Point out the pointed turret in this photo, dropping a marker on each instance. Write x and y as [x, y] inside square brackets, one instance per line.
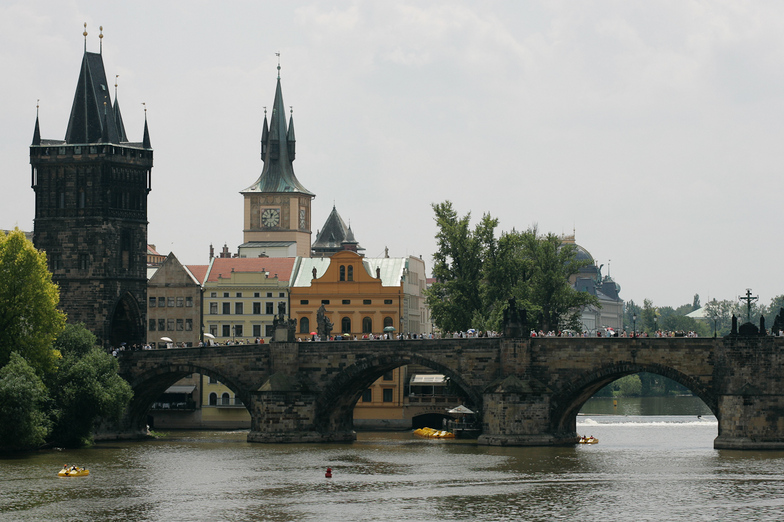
[277, 153]
[36, 132]
[264, 136]
[146, 139]
[290, 140]
[118, 121]
[334, 236]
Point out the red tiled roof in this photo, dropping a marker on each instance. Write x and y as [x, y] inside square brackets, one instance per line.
[151, 251]
[198, 271]
[282, 266]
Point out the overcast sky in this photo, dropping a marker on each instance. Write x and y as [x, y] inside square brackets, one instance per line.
[652, 129]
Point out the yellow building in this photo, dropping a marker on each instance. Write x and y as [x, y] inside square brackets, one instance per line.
[242, 296]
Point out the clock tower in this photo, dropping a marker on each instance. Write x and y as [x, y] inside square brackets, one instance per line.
[277, 206]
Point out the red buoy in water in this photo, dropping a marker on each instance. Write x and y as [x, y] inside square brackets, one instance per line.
[328, 474]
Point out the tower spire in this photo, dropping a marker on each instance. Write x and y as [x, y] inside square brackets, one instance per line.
[85, 36]
[146, 140]
[37, 131]
[100, 40]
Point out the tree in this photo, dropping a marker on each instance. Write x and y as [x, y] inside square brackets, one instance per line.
[24, 423]
[29, 319]
[720, 314]
[476, 274]
[85, 388]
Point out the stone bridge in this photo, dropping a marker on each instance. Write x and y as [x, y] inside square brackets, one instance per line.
[528, 391]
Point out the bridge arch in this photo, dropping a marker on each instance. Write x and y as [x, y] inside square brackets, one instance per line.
[149, 385]
[566, 403]
[336, 403]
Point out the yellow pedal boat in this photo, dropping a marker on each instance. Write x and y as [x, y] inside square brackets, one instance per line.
[589, 440]
[73, 471]
[430, 433]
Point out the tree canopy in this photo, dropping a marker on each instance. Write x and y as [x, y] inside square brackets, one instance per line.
[29, 318]
[476, 274]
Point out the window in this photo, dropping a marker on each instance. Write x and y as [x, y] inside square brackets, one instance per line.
[388, 376]
[238, 308]
[238, 330]
[55, 261]
[152, 302]
[213, 294]
[152, 325]
[256, 294]
[170, 325]
[257, 308]
[239, 294]
[189, 302]
[214, 329]
[189, 325]
[346, 301]
[161, 302]
[161, 325]
[304, 325]
[282, 294]
[213, 399]
[256, 330]
[367, 395]
[350, 275]
[179, 325]
[387, 321]
[269, 294]
[345, 325]
[84, 261]
[170, 302]
[226, 308]
[367, 301]
[387, 394]
[226, 331]
[180, 302]
[325, 301]
[225, 399]
[342, 273]
[213, 308]
[387, 301]
[303, 301]
[367, 325]
[225, 294]
[269, 307]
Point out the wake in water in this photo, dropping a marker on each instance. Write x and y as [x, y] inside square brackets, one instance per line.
[646, 421]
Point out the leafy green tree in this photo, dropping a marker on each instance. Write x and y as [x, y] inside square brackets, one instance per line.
[86, 387]
[476, 273]
[629, 386]
[24, 423]
[29, 318]
[648, 317]
[720, 315]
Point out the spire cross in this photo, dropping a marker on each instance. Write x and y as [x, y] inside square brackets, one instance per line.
[85, 36]
[37, 104]
[115, 85]
[749, 299]
[100, 39]
[278, 55]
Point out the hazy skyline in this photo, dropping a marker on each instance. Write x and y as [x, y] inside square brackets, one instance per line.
[652, 130]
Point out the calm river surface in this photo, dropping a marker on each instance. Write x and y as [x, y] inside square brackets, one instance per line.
[644, 468]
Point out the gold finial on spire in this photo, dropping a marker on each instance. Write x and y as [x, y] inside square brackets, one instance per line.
[291, 109]
[100, 39]
[37, 104]
[265, 110]
[115, 85]
[278, 55]
[85, 36]
[145, 111]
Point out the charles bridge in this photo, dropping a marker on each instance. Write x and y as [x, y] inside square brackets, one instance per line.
[528, 390]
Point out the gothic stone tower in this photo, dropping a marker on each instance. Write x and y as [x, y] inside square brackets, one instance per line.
[277, 206]
[91, 211]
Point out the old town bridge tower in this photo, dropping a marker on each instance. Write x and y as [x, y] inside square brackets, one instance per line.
[91, 211]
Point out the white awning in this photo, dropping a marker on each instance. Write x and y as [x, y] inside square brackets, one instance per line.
[428, 379]
[181, 388]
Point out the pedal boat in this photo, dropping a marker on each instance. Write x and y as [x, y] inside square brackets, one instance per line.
[589, 440]
[71, 472]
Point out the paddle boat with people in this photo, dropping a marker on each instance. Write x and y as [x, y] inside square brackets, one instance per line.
[589, 440]
[73, 471]
[430, 433]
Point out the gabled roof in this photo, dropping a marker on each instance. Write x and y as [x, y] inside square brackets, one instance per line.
[198, 271]
[93, 117]
[224, 266]
[278, 148]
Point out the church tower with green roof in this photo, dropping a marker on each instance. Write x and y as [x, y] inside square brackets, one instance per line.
[277, 214]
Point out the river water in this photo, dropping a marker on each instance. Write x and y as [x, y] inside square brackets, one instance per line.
[645, 467]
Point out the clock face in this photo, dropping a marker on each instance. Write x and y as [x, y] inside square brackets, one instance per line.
[270, 217]
[302, 218]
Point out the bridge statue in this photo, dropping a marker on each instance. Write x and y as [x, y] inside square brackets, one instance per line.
[514, 322]
[323, 324]
[284, 330]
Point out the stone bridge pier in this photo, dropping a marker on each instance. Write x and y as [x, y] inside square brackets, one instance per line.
[527, 391]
